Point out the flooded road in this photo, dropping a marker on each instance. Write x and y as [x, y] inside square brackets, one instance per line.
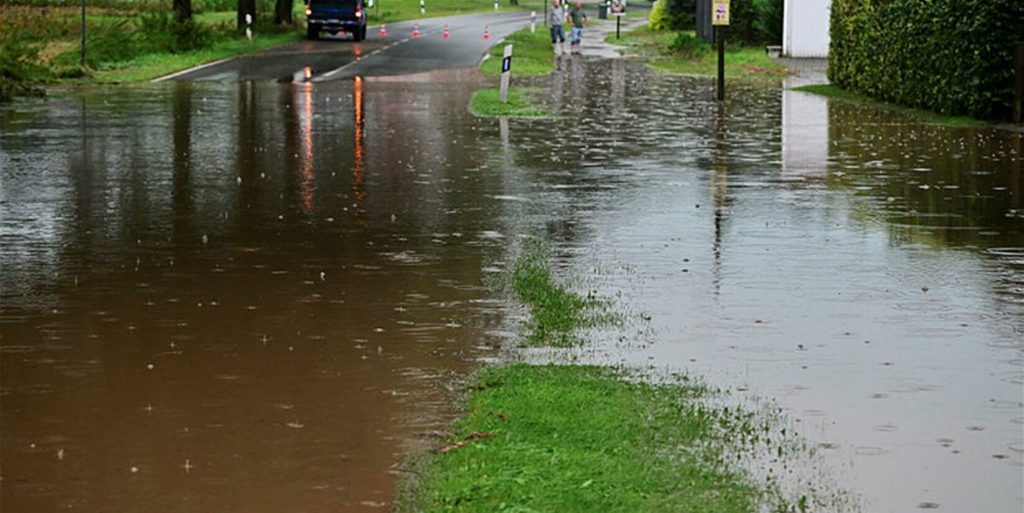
[255, 296]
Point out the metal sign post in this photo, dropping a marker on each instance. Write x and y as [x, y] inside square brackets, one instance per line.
[83, 34]
[720, 19]
[506, 68]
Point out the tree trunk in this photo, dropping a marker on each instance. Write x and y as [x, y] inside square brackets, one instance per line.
[183, 10]
[283, 12]
[245, 7]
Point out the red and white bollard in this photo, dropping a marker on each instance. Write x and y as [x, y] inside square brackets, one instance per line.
[416, 30]
[383, 32]
[445, 34]
[487, 33]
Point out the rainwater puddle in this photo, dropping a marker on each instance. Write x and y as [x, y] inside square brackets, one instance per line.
[326, 248]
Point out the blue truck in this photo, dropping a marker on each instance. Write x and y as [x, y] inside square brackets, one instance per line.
[335, 17]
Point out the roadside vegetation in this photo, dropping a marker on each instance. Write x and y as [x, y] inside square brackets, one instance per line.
[669, 41]
[686, 54]
[583, 438]
[487, 103]
[531, 54]
[928, 116]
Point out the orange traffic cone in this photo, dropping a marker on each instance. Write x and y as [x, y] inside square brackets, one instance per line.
[415, 30]
[383, 32]
[487, 33]
[445, 34]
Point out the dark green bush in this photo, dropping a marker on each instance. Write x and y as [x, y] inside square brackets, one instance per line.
[163, 33]
[688, 46]
[949, 56]
[769, 21]
[673, 15]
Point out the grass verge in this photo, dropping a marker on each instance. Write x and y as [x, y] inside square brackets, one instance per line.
[486, 102]
[391, 11]
[149, 66]
[838, 93]
[584, 439]
[683, 53]
[531, 54]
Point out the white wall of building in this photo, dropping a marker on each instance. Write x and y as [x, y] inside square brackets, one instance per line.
[805, 28]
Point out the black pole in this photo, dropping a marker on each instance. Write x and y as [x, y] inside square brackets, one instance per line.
[545, 13]
[618, 22]
[83, 34]
[720, 38]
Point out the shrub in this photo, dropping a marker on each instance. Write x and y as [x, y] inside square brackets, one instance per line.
[949, 56]
[163, 33]
[672, 15]
[688, 46]
[769, 21]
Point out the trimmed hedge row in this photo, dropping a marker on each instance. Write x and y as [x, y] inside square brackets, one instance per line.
[949, 56]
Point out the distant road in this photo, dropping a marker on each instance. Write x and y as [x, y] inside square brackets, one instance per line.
[398, 53]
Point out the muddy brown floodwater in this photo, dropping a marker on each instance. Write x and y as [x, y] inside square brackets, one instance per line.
[256, 297]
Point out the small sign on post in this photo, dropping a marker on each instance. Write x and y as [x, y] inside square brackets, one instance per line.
[720, 13]
[506, 68]
[719, 20]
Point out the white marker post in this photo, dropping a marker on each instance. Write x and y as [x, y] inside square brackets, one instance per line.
[506, 68]
[495, 5]
[533, 21]
[423, 7]
[248, 26]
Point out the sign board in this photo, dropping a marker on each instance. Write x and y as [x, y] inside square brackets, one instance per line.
[618, 7]
[720, 12]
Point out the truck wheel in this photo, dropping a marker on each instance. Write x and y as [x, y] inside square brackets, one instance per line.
[312, 33]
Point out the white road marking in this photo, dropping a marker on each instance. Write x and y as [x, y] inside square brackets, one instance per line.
[190, 70]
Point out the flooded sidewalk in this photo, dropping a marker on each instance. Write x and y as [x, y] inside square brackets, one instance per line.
[260, 296]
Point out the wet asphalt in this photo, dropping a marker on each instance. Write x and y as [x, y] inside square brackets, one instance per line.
[397, 52]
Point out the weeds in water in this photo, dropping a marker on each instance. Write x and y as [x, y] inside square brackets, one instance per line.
[556, 312]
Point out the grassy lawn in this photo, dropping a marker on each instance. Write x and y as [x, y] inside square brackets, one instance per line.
[931, 117]
[531, 54]
[486, 103]
[566, 439]
[655, 48]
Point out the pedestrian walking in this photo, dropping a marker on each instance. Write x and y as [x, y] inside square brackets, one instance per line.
[556, 17]
[579, 20]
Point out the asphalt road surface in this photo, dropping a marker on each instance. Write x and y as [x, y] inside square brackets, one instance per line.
[397, 53]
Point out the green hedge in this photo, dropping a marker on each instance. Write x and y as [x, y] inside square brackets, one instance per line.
[949, 56]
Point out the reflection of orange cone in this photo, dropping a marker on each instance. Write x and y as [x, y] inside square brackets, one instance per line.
[415, 30]
[383, 32]
[487, 33]
[445, 34]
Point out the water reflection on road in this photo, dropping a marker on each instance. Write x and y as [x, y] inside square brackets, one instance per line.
[250, 296]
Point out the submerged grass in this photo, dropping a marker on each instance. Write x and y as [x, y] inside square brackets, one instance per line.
[684, 54]
[556, 313]
[583, 439]
[931, 117]
[487, 102]
[532, 54]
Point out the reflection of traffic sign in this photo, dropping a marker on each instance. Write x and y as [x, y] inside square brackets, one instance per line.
[720, 12]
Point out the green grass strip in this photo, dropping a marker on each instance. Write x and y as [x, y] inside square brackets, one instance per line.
[150, 66]
[581, 439]
[532, 54]
[838, 93]
[486, 102]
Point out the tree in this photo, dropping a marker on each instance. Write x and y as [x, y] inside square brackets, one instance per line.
[183, 10]
[283, 12]
[245, 7]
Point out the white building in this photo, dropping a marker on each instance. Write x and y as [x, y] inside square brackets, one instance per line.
[805, 28]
